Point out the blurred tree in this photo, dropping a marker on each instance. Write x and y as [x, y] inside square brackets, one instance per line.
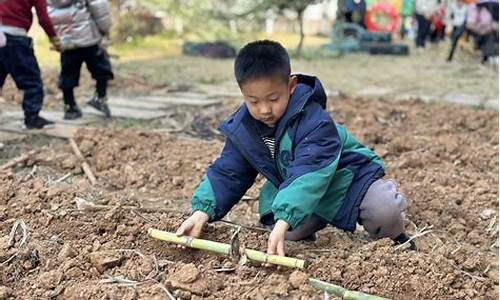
[208, 19]
[299, 6]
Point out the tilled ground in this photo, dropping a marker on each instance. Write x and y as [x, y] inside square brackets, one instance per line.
[444, 157]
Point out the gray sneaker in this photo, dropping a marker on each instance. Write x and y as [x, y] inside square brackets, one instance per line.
[101, 104]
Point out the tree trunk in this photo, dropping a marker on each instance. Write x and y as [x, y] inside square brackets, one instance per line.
[301, 28]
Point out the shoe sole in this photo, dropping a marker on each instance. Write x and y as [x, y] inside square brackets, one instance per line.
[48, 126]
[72, 118]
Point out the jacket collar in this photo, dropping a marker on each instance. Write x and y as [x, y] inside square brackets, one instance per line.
[308, 89]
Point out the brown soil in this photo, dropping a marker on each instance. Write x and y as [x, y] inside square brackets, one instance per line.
[123, 84]
[445, 158]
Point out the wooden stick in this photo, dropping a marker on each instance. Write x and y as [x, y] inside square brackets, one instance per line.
[342, 292]
[226, 249]
[85, 166]
[17, 160]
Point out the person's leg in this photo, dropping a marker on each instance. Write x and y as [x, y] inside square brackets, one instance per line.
[99, 65]
[101, 88]
[71, 64]
[69, 78]
[3, 70]
[307, 230]
[382, 210]
[455, 36]
[420, 30]
[402, 30]
[426, 28]
[20, 62]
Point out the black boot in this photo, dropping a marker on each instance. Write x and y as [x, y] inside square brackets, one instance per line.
[72, 112]
[100, 103]
[37, 122]
[403, 238]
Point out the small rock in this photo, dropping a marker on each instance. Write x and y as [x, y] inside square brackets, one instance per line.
[53, 191]
[73, 273]
[487, 214]
[69, 163]
[177, 180]
[121, 230]
[50, 279]
[298, 279]
[493, 272]
[2, 145]
[188, 278]
[66, 252]
[103, 260]
[4, 242]
[5, 292]
[96, 245]
[86, 146]
[187, 273]
[182, 294]
[474, 237]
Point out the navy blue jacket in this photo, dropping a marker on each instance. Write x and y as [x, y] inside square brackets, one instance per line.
[319, 168]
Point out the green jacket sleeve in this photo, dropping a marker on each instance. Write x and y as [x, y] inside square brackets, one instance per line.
[309, 171]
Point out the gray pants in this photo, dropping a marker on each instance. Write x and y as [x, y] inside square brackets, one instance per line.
[381, 213]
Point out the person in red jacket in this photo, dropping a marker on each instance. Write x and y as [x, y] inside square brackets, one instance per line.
[17, 57]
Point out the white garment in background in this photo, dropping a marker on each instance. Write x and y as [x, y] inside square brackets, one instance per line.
[458, 14]
[3, 40]
[426, 7]
[13, 30]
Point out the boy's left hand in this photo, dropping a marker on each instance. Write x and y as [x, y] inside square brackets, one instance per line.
[276, 242]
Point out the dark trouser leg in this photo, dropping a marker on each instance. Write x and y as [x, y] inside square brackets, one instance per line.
[69, 97]
[101, 87]
[71, 64]
[402, 30]
[455, 36]
[422, 31]
[99, 65]
[3, 71]
[20, 62]
[305, 230]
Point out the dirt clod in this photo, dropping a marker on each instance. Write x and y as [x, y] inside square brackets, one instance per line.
[103, 260]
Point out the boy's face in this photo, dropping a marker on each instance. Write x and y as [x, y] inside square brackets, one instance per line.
[267, 98]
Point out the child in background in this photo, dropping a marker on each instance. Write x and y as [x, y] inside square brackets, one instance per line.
[457, 15]
[17, 57]
[317, 172]
[82, 25]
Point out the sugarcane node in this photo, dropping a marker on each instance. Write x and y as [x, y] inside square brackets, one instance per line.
[235, 251]
[189, 241]
[304, 264]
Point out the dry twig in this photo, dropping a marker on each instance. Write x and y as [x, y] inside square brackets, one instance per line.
[12, 235]
[63, 178]
[13, 162]
[30, 174]
[418, 234]
[85, 166]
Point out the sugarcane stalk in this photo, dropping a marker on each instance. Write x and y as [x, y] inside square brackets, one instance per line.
[342, 292]
[226, 249]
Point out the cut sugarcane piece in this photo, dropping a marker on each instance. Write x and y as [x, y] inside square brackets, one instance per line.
[342, 292]
[226, 249]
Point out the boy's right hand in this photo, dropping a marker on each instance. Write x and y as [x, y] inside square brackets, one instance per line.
[193, 225]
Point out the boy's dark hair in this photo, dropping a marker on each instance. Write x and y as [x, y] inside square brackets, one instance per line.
[260, 59]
